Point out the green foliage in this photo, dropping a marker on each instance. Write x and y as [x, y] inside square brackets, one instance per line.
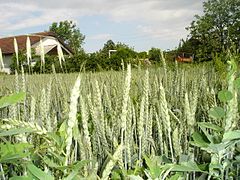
[16, 131]
[37, 173]
[12, 99]
[69, 33]
[154, 55]
[123, 55]
[50, 60]
[190, 46]
[14, 153]
[170, 55]
[225, 96]
[22, 59]
[97, 61]
[21, 178]
[74, 63]
[237, 83]
[231, 135]
[220, 139]
[217, 29]
[142, 55]
[109, 45]
[105, 60]
[220, 65]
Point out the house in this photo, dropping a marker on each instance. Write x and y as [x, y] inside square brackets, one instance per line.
[49, 42]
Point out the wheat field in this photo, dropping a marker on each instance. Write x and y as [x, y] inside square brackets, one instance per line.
[157, 123]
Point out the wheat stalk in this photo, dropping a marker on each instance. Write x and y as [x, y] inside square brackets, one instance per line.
[117, 156]
[146, 90]
[32, 110]
[72, 118]
[176, 142]
[98, 116]
[141, 127]
[84, 116]
[232, 115]
[125, 101]
[166, 117]
[16, 123]
[29, 54]
[60, 54]
[16, 50]
[42, 53]
[1, 60]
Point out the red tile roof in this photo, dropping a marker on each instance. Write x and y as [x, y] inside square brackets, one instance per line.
[7, 44]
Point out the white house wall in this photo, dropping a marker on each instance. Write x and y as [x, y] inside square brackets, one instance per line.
[48, 43]
[51, 41]
[7, 61]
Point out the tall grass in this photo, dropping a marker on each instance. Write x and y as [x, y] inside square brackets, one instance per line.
[110, 125]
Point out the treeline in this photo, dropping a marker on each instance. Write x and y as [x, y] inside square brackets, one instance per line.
[215, 33]
[113, 56]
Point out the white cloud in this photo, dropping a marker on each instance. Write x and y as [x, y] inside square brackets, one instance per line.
[163, 32]
[141, 10]
[156, 18]
[17, 16]
[100, 37]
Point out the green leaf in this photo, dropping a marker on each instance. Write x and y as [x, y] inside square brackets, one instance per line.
[12, 99]
[153, 166]
[16, 131]
[184, 158]
[11, 153]
[216, 148]
[225, 95]
[199, 140]
[186, 167]
[211, 126]
[164, 159]
[231, 135]
[72, 175]
[50, 162]
[217, 112]
[38, 173]
[20, 178]
[209, 137]
[237, 83]
[133, 177]
[177, 176]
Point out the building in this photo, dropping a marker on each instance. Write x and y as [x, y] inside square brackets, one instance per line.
[49, 42]
[184, 57]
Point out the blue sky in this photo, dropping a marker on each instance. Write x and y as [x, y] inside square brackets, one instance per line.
[141, 24]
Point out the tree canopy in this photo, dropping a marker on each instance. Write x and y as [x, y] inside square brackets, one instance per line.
[69, 33]
[218, 28]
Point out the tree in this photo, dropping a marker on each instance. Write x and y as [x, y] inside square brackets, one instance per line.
[22, 61]
[188, 46]
[218, 28]
[154, 55]
[142, 55]
[109, 45]
[69, 33]
[123, 53]
[50, 60]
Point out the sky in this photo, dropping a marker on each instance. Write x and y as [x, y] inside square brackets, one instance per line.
[142, 24]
